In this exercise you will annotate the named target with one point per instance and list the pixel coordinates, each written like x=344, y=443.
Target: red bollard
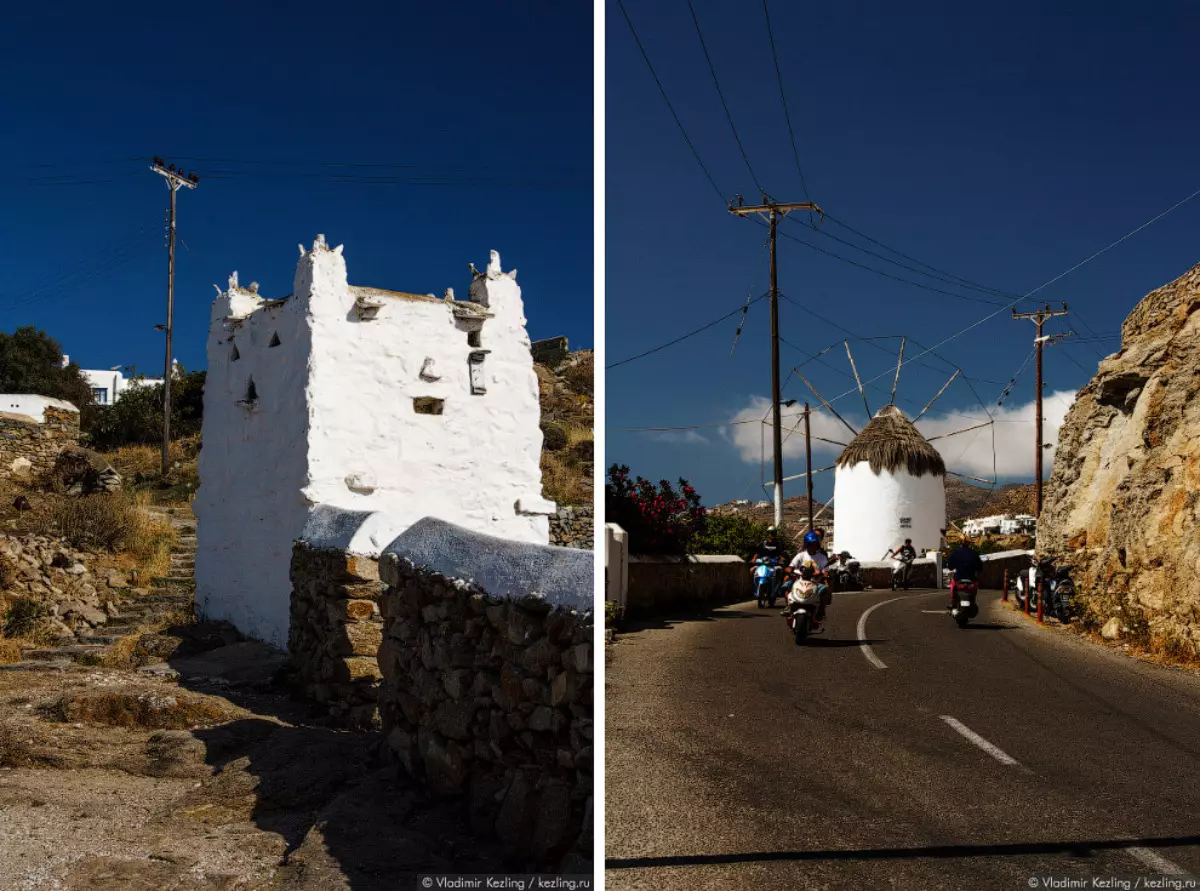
x=1004, y=599
x=1041, y=600
x=1028, y=595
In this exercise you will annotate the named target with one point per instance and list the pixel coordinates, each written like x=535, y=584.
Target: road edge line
x=973, y=737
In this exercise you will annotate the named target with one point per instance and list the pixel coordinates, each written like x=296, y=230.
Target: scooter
x=963, y=597
x=803, y=602
x=901, y=572
x=1056, y=584
x=766, y=588
x=846, y=574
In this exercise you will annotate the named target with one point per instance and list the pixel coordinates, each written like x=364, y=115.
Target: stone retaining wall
x=488, y=688
x=658, y=583
x=37, y=443
x=335, y=632
x=573, y=527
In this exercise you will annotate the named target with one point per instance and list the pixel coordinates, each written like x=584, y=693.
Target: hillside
x=964, y=500
x=566, y=383
x=795, y=513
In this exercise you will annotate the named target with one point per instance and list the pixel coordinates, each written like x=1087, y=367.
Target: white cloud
x=969, y=453
x=678, y=436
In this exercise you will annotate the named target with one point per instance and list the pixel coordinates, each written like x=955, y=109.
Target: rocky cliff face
x=1123, y=503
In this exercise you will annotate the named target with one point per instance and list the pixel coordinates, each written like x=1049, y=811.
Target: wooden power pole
x=773, y=212
x=1040, y=318
x=808, y=466
x=176, y=180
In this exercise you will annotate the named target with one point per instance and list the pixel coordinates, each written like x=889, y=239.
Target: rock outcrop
x=1123, y=504
x=81, y=471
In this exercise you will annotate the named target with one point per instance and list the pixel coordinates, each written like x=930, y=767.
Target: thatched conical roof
x=891, y=441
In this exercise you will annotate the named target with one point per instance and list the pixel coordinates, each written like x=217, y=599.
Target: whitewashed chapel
x=408, y=405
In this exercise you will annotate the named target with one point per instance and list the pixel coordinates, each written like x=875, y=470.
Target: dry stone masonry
x=487, y=661
x=573, y=527
x=336, y=630
x=1123, y=503
x=29, y=445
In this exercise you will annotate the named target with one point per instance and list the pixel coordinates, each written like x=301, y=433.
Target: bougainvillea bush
x=659, y=519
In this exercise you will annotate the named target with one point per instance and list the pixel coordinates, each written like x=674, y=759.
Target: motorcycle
x=766, y=582
x=803, y=602
x=1056, y=585
x=963, y=597
x=845, y=574
x=901, y=572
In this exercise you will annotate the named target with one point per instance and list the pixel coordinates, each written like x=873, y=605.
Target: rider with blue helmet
x=812, y=556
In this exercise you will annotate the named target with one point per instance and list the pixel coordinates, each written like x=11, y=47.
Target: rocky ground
x=192, y=768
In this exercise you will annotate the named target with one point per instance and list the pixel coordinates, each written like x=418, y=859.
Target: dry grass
x=890, y=441
x=140, y=467
x=19, y=749
x=581, y=376
x=118, y=523
x=10, y=652
x=124, y=653
x=147, y=710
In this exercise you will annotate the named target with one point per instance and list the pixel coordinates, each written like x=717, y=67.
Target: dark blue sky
x=494, y=105
x=1003, y=143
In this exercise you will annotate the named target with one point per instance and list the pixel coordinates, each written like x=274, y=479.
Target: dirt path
x=199, y=772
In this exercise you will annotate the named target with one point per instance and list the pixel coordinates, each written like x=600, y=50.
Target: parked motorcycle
x=1055, y=584
x=766, y=580
x=964, y=601
x=845, y=574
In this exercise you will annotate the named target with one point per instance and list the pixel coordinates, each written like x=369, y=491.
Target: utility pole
x=773, y=212
x=1040, y=318
x=808, y=466
x=175, y=179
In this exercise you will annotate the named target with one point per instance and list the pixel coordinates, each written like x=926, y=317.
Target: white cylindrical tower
x=889, y=486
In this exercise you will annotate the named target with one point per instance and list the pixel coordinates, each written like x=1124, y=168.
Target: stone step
x=39, y=665
x=104, y=639
x=172, y=581
x=72, y=653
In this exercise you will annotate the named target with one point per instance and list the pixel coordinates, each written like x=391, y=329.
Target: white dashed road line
x=970, y=735
x=1156, y=862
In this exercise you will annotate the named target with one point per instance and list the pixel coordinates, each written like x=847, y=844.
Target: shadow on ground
x=348, y=819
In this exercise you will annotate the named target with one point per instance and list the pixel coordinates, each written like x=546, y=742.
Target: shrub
x=736, y=535
x=554, y=437
x=658, y=519
x=137, y=417
x=581, y=376
x=23, y=617
x=119, y=522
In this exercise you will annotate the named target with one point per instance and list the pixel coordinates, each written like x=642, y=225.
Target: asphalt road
x=930, y=757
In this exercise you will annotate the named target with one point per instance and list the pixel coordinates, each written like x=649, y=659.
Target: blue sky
x=1001, y=143
x=260, y=100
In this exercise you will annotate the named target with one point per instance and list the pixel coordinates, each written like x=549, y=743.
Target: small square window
x=428, y=405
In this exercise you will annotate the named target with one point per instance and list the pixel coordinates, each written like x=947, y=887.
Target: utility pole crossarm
x=781, y=208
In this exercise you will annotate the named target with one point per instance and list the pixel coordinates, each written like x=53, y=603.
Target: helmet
x=812, y=538
x=771, y=530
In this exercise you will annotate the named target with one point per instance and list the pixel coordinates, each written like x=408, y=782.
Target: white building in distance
x=408, y=405
x=107, y=386
x=889, y=486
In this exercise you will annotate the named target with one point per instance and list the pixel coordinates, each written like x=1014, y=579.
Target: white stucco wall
x=32, y=405
x=335, y=424
x=870, y=508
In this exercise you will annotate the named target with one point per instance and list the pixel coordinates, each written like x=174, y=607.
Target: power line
x=721, y=95
x=683, y=337
x=964, y=281
x=1040, y=287
x=670, y=107
x=934, y=276
x=887, y=274
x=783, y=98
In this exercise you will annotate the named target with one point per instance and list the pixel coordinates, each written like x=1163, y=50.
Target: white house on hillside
x=107, y=386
